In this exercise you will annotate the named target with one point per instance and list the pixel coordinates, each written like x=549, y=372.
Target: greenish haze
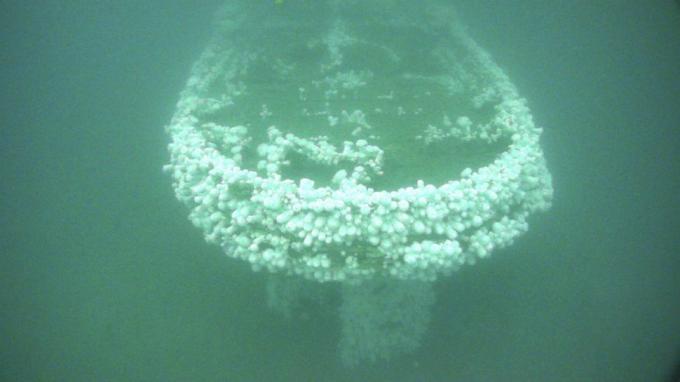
x=102, y=277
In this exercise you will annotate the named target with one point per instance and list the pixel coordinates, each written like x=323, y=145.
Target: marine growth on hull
x=354, y=141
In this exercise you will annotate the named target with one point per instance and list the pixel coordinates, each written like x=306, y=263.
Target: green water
x=102, y=277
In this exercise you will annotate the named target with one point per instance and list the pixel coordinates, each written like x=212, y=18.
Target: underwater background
x=103, y=278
